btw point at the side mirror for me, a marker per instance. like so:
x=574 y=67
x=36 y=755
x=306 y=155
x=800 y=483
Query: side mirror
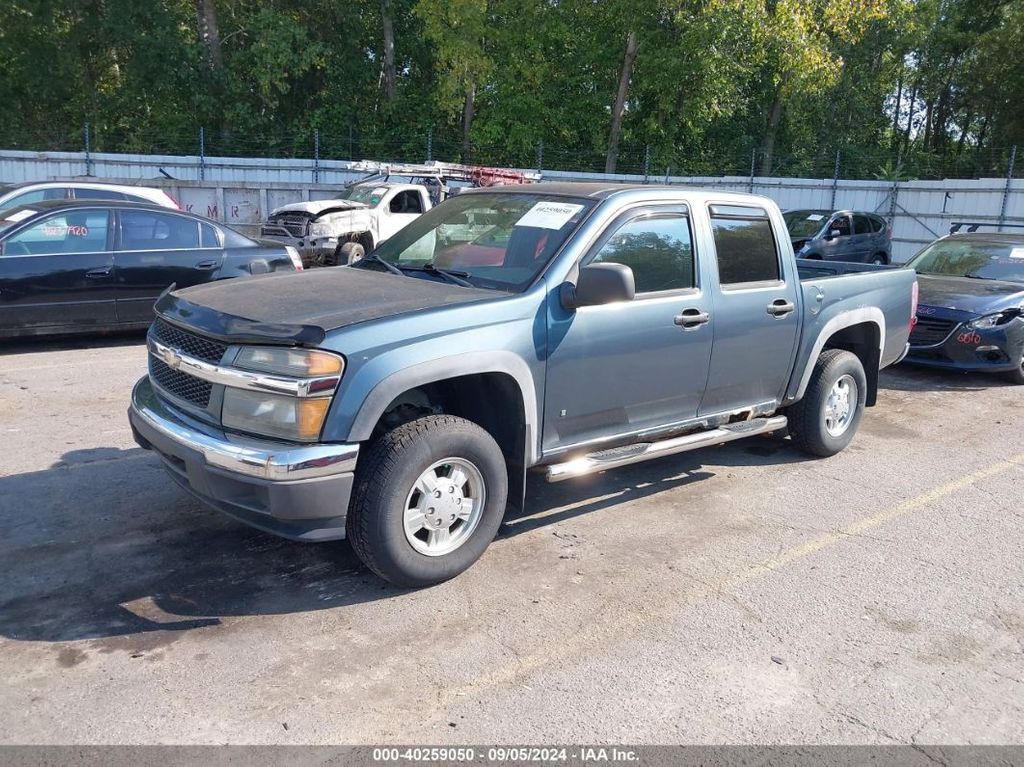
x=833 y=233
x=599 y=284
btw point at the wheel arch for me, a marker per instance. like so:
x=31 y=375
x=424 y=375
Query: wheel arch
x=860 y=331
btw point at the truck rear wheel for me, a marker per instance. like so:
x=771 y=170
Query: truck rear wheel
x=825 y=420
x=428 y=500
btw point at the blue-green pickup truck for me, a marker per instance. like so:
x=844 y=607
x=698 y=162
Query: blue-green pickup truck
x=401 y=401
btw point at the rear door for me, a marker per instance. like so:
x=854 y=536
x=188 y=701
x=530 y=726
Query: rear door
x=863 y=239
x=756 y=323
x=58 y=274
x=155 y=249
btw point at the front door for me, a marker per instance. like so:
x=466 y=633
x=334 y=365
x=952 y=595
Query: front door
x=406 y=206
x=756 y=319
x=619 y=369
x=58 y=274
x=156 y=249
x=837 y=241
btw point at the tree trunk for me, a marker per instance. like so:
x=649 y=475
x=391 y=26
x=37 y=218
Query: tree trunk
x=911 y=113
x=206 y=14
x=619 y=106
x=896 y=113
x=467 y=121
x=390 y=78
x=768 y=145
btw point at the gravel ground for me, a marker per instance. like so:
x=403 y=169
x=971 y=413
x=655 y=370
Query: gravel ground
x=739 y=594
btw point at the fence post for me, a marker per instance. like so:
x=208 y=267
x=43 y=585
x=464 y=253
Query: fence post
x=88 y=152
x=316 y=156
x=647 y=163
x=1006 y=189
x=835 y=182
x=753 y=165
x=540 y=156
x=202 y=154
x=430 y=145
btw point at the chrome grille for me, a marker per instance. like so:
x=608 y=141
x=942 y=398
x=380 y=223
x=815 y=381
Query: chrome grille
x=193 y=390
x=931 y=330
x=195 y=346
x=292 y=225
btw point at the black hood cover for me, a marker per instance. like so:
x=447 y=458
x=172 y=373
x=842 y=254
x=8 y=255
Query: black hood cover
x=966 y=294
x=301 y=307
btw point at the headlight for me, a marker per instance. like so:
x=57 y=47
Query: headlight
x=320 y=230
x=274 y=415
x=286 y=361
x=994 y=320
x=287 y=416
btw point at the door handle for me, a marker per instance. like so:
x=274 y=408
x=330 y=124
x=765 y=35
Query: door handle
x=691 y=319
x=208 y=264
x=780 y=307
x=95 y=274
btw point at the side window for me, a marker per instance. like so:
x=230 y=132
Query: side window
x=79 y=231
x=658 y=249
x=28 y=198
x=406 y=202
x=861 y=224
x=82 y=193
x=209 y=238
x=840 y=224
x=745 y=245
x=58 y=193
x=877 y=224
x=146 y=230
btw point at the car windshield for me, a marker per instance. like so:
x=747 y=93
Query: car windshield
x=367 y=194
x=981 y=259
x=14 y=216
x=805 y=223
x=497 y=240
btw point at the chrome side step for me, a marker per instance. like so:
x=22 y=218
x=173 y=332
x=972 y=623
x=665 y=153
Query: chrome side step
x=645 y=451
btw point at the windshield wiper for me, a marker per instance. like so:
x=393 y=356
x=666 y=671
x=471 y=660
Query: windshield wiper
x=457 y=277
x=387 y=265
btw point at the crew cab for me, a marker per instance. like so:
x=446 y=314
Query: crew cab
x=400 y=403
x=342 y=230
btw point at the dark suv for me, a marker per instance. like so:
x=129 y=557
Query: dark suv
x=843 y=235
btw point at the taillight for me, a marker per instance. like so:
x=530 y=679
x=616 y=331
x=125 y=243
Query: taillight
x=913 y=304
x=176 y=203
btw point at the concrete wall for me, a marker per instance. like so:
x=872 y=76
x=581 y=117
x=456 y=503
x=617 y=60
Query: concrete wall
x=240 y=191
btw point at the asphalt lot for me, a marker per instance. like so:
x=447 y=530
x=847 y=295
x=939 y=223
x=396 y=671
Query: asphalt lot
x=740 y=594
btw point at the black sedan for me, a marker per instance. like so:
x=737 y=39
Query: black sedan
x=70 y=266
x=971 y=310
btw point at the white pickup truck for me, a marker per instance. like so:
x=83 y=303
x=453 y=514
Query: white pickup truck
x=342 y=230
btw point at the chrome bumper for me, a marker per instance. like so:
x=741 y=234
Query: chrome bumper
x=296 y=491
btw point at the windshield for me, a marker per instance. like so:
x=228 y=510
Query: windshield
x=972 y=258
x=496 y=240
x=368 y=194
x=14 y=216
x=805 y=223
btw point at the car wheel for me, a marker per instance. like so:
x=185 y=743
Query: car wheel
x=880 y=259
x=428 y=500
x=825 y=420
x=348 y=253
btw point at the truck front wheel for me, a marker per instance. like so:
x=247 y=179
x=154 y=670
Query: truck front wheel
x=825 y=420
x=428 y=500
x=348 y=253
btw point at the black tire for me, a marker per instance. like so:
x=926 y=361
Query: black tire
x=348 y=253
x=385 y=477
x=807 y=418
x=880 y=258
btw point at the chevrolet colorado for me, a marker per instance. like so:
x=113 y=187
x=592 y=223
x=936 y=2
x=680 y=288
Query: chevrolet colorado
x=401 y=401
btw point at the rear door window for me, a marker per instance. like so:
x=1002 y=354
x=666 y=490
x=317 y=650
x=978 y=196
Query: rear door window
x=83 y=193
x=209 y=236
x=745 y=245
x=861 y=224
x=79 y=231
x=148 y=230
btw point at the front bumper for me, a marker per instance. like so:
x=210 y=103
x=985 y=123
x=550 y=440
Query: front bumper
x=308 y=247
x=994 y=349
x=299 y=492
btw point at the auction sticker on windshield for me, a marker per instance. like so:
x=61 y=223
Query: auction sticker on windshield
x=1017 y=253
x=815 y=217
x=549 y=215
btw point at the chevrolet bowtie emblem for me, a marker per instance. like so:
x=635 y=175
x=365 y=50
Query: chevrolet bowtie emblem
x=173 y=359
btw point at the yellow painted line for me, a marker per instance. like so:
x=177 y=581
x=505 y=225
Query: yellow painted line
x=605 y=632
